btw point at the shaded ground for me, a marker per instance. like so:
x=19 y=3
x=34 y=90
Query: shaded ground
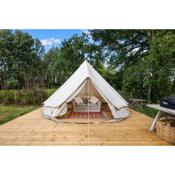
x=33 y=129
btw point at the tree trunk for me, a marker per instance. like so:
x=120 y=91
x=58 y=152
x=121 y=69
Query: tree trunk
x=2 y=82
x=173 y=86
x=149 y=94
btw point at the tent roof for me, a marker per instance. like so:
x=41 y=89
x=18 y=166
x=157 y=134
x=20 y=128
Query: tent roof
x=75 y=81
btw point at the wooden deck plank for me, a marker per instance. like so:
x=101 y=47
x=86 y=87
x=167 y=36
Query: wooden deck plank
x=33 y=129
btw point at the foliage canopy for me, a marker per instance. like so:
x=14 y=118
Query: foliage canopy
x=138 y=63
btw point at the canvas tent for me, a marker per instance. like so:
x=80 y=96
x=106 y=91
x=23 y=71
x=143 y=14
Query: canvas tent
x=85 y=80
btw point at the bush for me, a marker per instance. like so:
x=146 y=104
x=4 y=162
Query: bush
x=7 y=96
x=34 y=96
x=50 y=91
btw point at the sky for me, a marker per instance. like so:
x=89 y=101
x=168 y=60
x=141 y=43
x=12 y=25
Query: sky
x=52 y=37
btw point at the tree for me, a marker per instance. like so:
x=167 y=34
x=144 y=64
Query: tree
x=20 y=58
x=121 y=47
x=6 y=56
x=161 y=64
x=72 y=53
x=145 y=58
x=52 y=69
x=139 y=63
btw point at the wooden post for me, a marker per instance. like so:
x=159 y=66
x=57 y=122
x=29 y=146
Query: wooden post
x=154 y=121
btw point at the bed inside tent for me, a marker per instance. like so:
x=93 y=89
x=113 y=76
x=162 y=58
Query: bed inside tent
x=98 y=109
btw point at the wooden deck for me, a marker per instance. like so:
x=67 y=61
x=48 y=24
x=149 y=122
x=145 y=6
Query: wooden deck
x=33 y=129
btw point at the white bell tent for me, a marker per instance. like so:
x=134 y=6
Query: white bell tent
x=85 y=80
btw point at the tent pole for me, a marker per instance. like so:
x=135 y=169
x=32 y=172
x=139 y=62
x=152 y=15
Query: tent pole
x=88 y=112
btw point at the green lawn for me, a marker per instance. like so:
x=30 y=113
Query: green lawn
x=9 y=112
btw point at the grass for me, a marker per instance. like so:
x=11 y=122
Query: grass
x=10 y=112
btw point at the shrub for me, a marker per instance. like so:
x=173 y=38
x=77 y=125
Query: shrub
x=24 y=97
x=146 y=110
x=31 y=96
x=7 y=97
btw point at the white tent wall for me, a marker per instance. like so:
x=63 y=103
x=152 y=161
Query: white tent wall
x=56 y=104
x=50 y=112
x=116 y=113
x=85 y=89
x=68 y=88
x=109 y=92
